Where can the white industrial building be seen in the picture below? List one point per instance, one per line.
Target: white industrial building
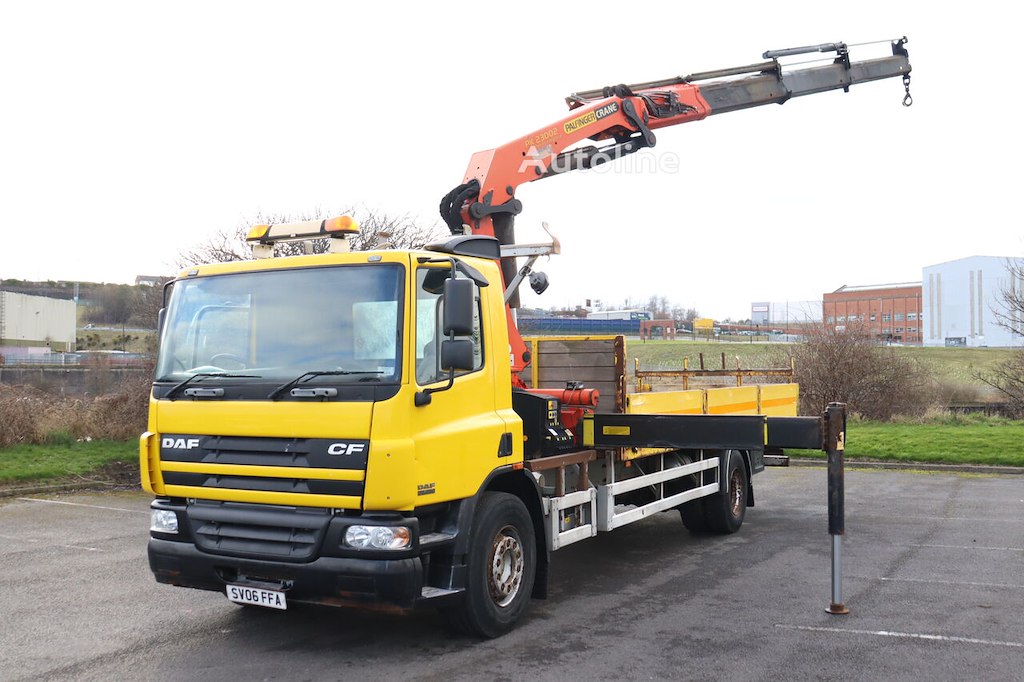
(35, 325)
(633, 314)
(963, 303)
(785, 312)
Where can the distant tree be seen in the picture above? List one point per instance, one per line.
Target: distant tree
(222, 246)
(147, 304)
(376, 230)
(114, 303)
(1011, 314)
(683, 315)
(659, 307)
(846, 364)
(1007, 377)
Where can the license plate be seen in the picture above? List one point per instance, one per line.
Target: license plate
(241, 594)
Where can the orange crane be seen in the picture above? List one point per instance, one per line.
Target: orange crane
(625, 118)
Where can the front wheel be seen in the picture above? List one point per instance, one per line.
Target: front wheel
(501, 566)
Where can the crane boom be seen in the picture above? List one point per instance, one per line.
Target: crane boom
(625, 116)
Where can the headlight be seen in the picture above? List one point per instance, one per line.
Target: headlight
(163, 521)
(377, 537)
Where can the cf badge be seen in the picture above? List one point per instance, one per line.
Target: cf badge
(346, 448)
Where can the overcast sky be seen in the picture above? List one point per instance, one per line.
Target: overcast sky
(132, 131)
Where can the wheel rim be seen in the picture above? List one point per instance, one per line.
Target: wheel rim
(507, 563)
(736, 492)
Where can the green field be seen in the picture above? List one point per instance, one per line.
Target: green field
(950, 366)
(111, 339)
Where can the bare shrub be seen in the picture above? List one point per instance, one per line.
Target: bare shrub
(848, 365)
(19, 410)
(100, 378)
(120, 414)
(29, 416)
(952, 392)
(60, 415)
(1007, 378)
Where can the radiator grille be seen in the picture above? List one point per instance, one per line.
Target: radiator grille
(294, 466)
(276, 533)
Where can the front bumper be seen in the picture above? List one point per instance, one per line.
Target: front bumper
(327, 580)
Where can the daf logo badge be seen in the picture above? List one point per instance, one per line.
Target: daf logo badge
(180, 443)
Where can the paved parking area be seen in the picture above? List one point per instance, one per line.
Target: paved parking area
(933, 576)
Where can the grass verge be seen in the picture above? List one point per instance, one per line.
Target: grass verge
(981, 440)
(67, 462)
(949, 440)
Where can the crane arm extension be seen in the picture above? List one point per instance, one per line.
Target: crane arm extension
(625, 116)
(628, 114)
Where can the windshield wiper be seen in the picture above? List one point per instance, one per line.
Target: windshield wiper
(178, 387)
(315, 373)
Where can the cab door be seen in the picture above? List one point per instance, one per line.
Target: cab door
(458, 434)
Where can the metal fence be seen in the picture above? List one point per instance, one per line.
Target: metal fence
(576, 326)
(116, 359)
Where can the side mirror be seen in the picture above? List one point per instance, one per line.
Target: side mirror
(456, 354)
(458, 307)
(160, 322)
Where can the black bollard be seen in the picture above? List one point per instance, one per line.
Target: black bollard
(835, 445)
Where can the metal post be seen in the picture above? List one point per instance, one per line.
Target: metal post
(835, 445)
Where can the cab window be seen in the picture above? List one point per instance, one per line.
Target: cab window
(429, 332)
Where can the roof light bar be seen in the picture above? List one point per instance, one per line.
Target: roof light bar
(263, 237)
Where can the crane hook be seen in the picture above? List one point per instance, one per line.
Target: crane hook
(907, 99)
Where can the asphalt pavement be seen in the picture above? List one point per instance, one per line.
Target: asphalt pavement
(933, 574)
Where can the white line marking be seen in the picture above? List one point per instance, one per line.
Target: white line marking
(79, 504)
(904, 635)
(999, 549)
(943, 582)
(909, 517)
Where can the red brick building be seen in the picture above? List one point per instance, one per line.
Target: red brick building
(891, 312)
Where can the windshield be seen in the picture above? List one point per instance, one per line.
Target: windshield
(342, 322)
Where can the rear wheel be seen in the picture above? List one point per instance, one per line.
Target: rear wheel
(724, 511)
(692, 512)
(693, 517)
(500, 567)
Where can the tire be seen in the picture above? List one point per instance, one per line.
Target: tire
(724, 511)
(500, 568)
(693, 517)
(692, 512)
